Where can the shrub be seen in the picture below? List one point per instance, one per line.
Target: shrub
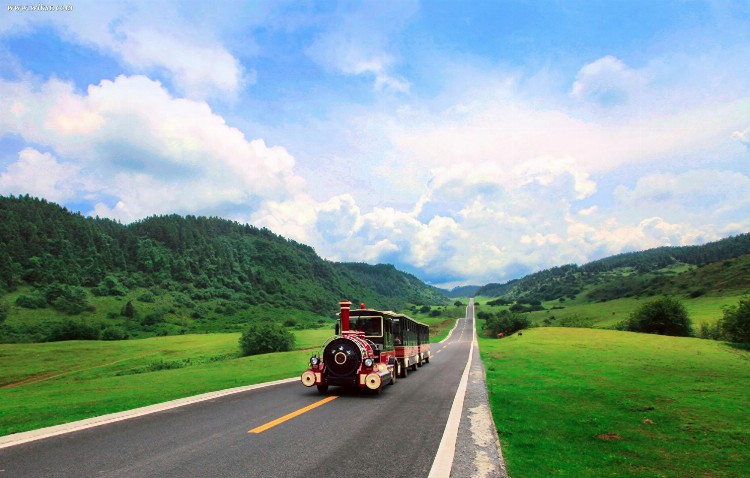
(73, 330)
(115, 333)
(153, 318)
(266, 337)
(708, 331)
(31, 302)
(73, 301)
(129, 310)
(576, 321)
(4, 311)
(147, 297)
(735, 324)
(435, 313)
(663, 316)
(505, 322)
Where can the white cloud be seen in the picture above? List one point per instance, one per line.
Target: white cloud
(702, 196)
(742, 136)
(155, 153)
(606, 82)
(40, 174)
(359, 42)
(148, 38)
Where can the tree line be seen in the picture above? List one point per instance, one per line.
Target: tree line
(63, 256)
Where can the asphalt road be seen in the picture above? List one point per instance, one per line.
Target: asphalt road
(394, 434)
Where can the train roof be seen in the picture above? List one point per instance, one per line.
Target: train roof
(390, 313)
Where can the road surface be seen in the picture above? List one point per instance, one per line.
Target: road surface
(286, 430)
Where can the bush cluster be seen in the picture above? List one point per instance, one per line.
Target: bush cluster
(266, 337)
(734, 326)
(505, 322)
(664, 316)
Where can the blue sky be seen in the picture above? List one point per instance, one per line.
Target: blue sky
(466, 142)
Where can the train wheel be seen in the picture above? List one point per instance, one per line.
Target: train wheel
(427, 359)
(413, 367)
(393, 376)
(322, 389)
(404, 370)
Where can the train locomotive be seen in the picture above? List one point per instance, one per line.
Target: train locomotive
(371, 349)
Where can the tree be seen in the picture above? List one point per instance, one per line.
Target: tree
(664, 316)
(505, 322)
(266, 337)
(4, 311)
(129, 310)
(735, 324)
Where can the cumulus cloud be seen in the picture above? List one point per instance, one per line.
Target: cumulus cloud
(606, 82)
(155, 153)
(147, 39)
(40, 174)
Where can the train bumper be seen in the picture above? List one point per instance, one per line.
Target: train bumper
(374, 380)
(312, 377)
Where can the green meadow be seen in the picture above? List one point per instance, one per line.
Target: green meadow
(707, 308)
(592, 403)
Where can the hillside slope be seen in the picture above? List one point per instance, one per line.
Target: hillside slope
(58, 254)
(715, 267)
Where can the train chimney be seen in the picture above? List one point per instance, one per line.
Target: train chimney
(345, 306)
(362, 306)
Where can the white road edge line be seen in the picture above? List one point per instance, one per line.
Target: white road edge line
(441, 466)
(25, 437)
(449, 333)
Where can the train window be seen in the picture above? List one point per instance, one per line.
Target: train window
(371, 326)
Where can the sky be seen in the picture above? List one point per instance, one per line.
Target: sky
(466, 142)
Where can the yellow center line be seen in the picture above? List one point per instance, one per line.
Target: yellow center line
(289, 416)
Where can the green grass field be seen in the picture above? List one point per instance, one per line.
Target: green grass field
(707, 308)
(592, 403)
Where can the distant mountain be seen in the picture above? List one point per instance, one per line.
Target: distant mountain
(654, 271)
(461, 291)
(204, 258)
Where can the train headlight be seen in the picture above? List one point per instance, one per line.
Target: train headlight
(368, 362)
(314, 361)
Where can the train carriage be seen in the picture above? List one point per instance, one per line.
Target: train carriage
(371, 348)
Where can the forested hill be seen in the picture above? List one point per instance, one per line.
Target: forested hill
(205, 258)
(693, 270)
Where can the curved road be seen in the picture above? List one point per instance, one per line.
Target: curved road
(394, 434)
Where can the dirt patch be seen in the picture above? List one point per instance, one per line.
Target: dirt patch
(608, 437)
(28, 380)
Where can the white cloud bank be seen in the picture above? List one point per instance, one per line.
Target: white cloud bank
(129, 139)
(148, 38)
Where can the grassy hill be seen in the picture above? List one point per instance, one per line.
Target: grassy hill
(717, 268)
(592, 403)
(63, 275)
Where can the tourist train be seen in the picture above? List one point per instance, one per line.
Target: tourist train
(371, 349)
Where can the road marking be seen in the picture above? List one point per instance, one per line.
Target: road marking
(441, 466)
(289, 416)
(33, 435)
